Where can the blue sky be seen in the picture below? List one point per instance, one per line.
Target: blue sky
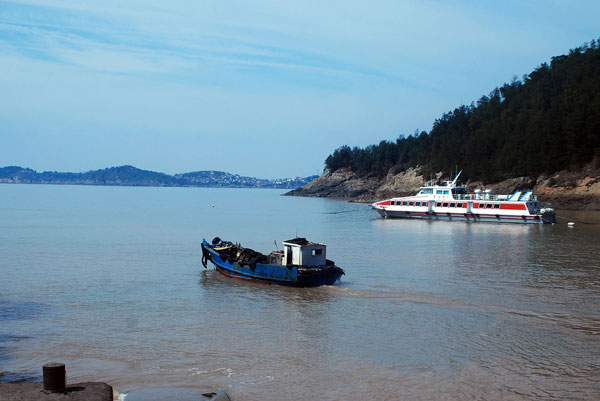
(259, 88)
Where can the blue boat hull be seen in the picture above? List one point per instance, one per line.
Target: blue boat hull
(296, 276)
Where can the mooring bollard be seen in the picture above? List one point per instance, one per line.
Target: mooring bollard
(55, 377)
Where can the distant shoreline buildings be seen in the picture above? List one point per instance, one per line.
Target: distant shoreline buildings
(132, 176)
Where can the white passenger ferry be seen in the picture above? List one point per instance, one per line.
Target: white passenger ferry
(450, 201)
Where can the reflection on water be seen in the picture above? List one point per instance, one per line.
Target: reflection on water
(109, 281)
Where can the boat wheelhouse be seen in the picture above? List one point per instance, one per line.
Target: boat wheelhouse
(450, 201)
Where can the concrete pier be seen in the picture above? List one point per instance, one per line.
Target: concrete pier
(55, 388)
(88, 391)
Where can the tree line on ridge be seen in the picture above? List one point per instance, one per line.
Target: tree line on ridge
(545, 122)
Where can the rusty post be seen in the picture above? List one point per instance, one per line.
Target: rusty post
(55, 377)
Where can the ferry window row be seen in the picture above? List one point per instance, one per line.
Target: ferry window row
(461, 204)
(408, 203)
(446, 204)
(489, 205)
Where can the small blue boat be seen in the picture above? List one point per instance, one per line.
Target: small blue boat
(301, 263)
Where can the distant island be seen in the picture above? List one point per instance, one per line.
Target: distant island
(132, 176)
(540, 132)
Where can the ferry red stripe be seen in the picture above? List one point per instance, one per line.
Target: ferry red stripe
(513, 206)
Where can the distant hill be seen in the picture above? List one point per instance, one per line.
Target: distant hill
(132, 176)
(546, 122)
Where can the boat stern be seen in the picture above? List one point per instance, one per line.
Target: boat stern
(313, 276)
(547, 215)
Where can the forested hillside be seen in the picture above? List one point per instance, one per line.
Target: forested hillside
(545, 122)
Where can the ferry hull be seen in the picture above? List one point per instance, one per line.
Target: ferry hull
(543, 219)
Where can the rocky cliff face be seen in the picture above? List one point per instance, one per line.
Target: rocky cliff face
(563, 190)
(341, 183)
(569, 190)
(345, 183)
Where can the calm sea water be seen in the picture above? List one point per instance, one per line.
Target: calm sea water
(109, 281)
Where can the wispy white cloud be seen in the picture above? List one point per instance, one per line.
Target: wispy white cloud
(110, 43)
